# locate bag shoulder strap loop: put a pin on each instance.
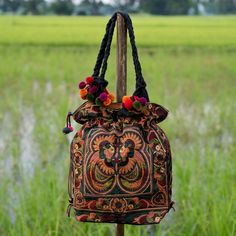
(104, 54)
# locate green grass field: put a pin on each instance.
(189, 66)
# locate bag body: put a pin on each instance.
(120, 166)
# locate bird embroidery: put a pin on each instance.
(117, 163)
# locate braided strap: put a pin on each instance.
(103, 46)
(104, 54)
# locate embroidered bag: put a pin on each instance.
(120, 166)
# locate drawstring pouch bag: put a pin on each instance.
(120, 159)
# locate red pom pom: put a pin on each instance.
(89, 80)
(82, 85)
(128, 104)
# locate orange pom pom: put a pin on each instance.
(111, 96)
(107, 102)
(83, 93)
(125, 98)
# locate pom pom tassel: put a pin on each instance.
(68, 129)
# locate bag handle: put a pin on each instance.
(104, 53)
(97, 67)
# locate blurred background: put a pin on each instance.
(106, 7)
(188, 54)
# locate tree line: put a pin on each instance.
(97, 7)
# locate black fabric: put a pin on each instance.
(104, 53)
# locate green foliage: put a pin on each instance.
(13, 6)
(34, 7)
(62, 7)
(163, 7)
(189, 66)
(225, 6)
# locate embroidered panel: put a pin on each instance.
(116, 164)
(121, 172)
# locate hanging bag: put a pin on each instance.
(120, 165)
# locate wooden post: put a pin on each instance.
(121, 58)
(120, 230)
(121, 76)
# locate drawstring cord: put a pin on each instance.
(68, 127)
(69, 207)
(67, 130)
